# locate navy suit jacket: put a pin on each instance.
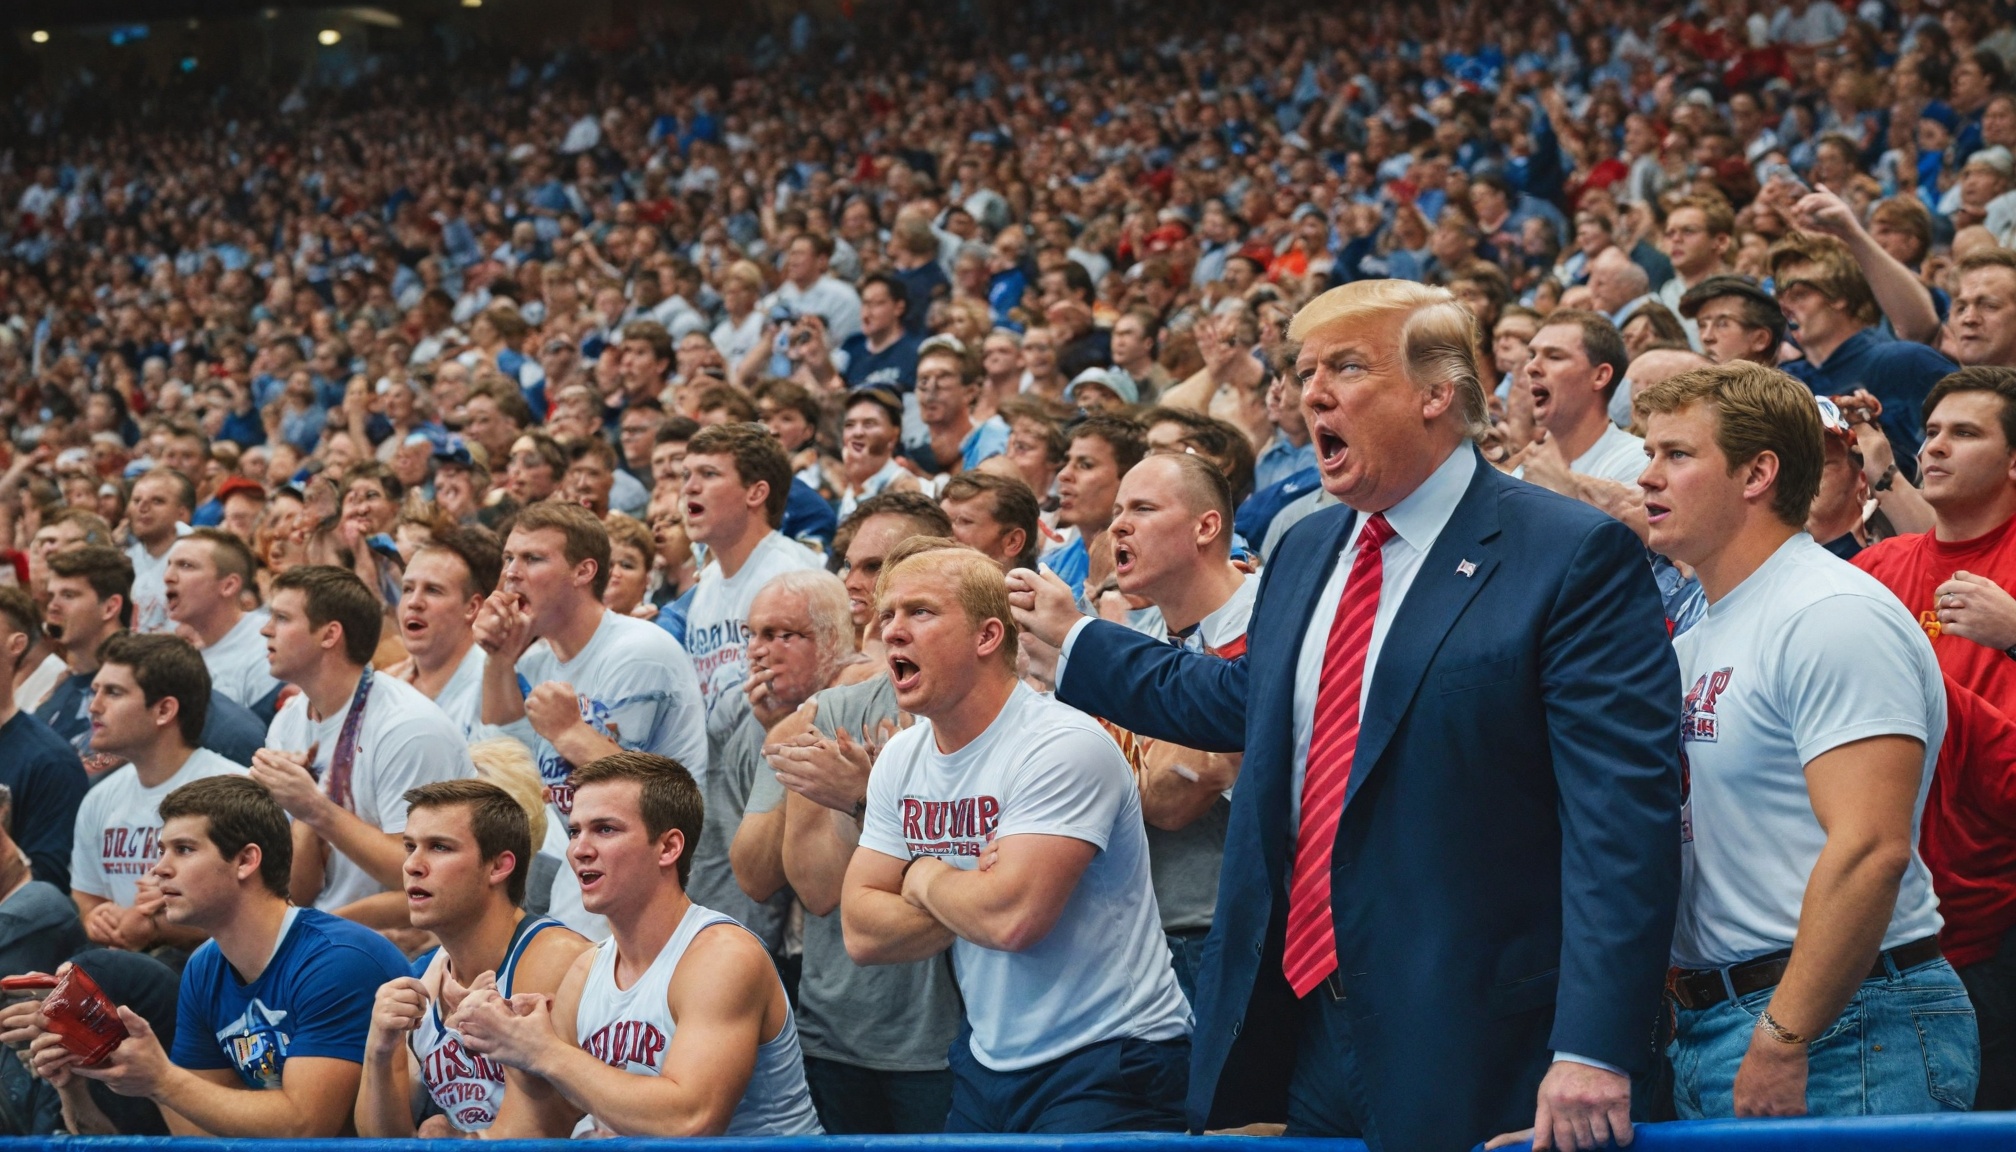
(1507, 865)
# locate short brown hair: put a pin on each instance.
(980, 585)
(789, 394)
(667, 799)
(727, 398)
(631, 534)
(1836, 277)
(1125, 436)
(652, 333)
(758, 457)
(1023, 410)
(229, 555)
(395, 490)
(1718, 217)
(185, 488)
(1907, 215)
(19, 609)
(104, 568)
(1983, 378)
(1988, 258)
(1602, 343)
(509, 400)
(586, 537)
(924, 514)
(496, 819)
(239, 812)
(476, 547)
(1757, 410)
(337, 594)
(165, 665)
(1013, 505)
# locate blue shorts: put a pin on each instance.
(1111, 1086)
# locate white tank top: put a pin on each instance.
(630, 1028)
(468, 1088)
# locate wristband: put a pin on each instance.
(1778, 1031)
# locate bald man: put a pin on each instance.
(1500, 785)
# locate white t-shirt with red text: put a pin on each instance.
(118, 837)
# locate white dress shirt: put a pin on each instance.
(1417, 522)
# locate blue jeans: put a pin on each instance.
(1906, 1043)
(1186, 955)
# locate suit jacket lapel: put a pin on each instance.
(1437, 597)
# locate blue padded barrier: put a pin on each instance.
(1956, 1132)
(1981, 1132)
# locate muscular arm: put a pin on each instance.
(380, 854)
(1863, 794)
(304, 883)
(879, 925)
(720, 998)
(1011, 905)
(1898, 291)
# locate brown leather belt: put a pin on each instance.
(1698, 988)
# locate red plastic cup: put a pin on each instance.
(83, 1018)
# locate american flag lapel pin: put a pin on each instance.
(1466, 568)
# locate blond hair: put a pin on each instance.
(1757, 409)
(505, 762)
(1438, 337)
(978, 582)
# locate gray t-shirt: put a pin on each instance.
(735, 753)
(1185, 864)
(893, 1017)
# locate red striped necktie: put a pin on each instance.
(1311, 953)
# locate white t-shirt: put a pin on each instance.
(1045, 768)
(405, 741)
(40, 683)
(237, 662)
(150, 592)
(636, 686)
(1806, 655)
(462, 697)
(1616, 455)
(118, 837)
(717, 624)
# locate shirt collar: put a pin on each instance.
(1420, 517)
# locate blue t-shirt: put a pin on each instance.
(807, 517)
(894, 367)
(922, 283)
(988, 438)
(1070, 562)
(1897, 372)
(314, 999)
(48, 782)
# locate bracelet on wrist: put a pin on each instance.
(1777, 1031)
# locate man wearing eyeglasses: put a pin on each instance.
(1700, 234)
(1736, 319)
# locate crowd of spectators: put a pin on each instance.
(518, 403)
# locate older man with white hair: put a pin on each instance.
(1445, 983)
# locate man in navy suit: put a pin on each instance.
(1454, 853)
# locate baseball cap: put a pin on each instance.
(457, 452)
(236, 484)
(1942, 113)
(943, 342)
(1118, 383)
(1994, 156)
(1729, 284)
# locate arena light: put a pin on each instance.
(472, 3)
(328, 37)
(39, 36)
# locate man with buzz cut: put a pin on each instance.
(469, 853)
(209, 572)
(1007, 827)
(342, 753)
(148, 704)
(273, 1009)
(677, 1024)
(574, 681)
(156, 515)
(737, 482)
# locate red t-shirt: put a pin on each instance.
(1968, 835)
(1913, 567)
